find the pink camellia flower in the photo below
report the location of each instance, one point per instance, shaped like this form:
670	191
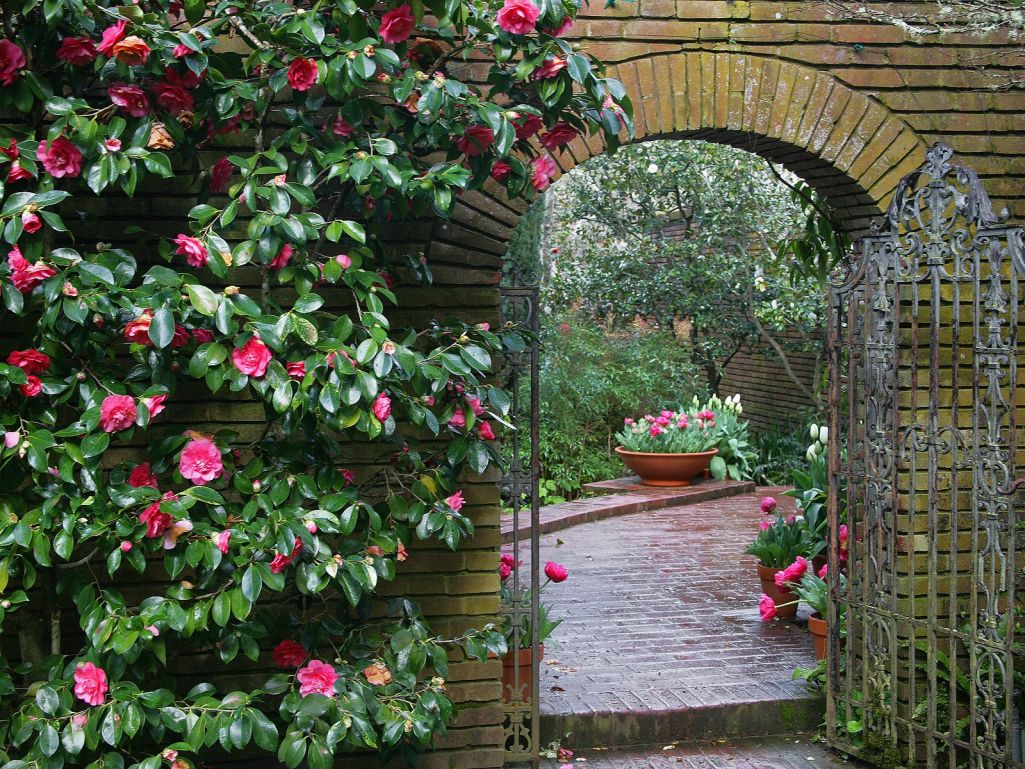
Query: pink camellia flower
542	169
550	68
484	431
12	59
296	369
11	439
499	170
282	562
130	98
289	654
345	260
223	540
564	26
156	520
30	361
68	289
131	50
282	258
220	175
302	74
153	630
112	145
340	127
556	572
154	404
181	50
112	35
200	461
456	501
382	407
30	222
560	135
90	684
60	158
317	678
458	419
17	172
142	475
767	608
137	331
476	140
192	249
32	387
174	531
518	17
252	357
77	50
311	526
396	24
527	126
475	405
118	412
769	505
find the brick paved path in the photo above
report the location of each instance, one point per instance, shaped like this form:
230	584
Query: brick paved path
746	754
662	638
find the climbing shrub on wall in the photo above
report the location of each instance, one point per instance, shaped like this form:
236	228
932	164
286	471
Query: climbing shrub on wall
356	117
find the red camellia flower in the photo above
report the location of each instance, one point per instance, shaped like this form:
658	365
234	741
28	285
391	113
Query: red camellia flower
302	74
527	126
485	432
340	127
382	407
223	540
220	175
157	521
200	461
90	684
137	331
174	98
17	172
252	357
12	59
112	35
112	145
129	98
118	412
202	335
60	158
541	171
556	572
476	140
32	387
518	17
458	419
499	170
131	50
142	475
30	222
30	361
767	608
25	275
77	50
289	654
192	249
281	561
396	24
550	68
282	258
560	134
296	369
317	678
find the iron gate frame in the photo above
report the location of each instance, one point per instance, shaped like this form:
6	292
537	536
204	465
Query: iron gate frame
520	293
940	237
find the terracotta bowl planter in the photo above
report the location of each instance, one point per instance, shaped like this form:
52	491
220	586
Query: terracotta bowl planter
818	628
779	596
520	660
666	469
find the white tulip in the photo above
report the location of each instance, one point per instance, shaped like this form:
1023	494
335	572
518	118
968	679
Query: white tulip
814	432
824	435
810	454
739	409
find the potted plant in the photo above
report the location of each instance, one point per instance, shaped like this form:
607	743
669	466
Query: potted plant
737	455
670	449
519	659
810	588
784	547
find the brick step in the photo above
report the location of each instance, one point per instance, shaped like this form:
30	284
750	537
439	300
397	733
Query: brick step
622	496
795	751
730	720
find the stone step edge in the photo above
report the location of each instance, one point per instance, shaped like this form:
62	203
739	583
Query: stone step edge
588	509
631	729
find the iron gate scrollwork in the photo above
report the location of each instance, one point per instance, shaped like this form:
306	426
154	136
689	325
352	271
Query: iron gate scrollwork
520	501
926	662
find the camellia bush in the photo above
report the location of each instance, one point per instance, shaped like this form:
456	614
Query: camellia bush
137	558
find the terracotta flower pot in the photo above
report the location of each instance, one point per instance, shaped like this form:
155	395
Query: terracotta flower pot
778	595
666	469
519	661
818	628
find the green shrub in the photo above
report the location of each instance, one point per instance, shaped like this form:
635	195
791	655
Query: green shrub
590	381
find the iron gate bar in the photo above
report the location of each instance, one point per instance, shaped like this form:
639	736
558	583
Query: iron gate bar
922	622
520	311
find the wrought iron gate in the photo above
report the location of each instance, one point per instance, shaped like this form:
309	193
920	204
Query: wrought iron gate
520	501
926	663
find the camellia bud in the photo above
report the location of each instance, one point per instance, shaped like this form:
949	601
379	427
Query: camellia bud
5	604
421	75
369	51
361	155
80	376
352	54
126	546
257	485
232	291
